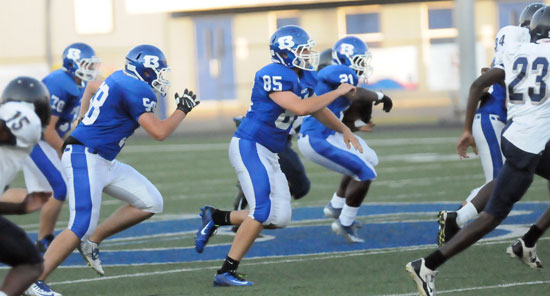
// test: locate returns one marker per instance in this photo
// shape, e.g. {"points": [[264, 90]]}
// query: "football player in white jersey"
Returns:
{"points": [[524, 66], [24, 110], [523, 248], [483, 131]]}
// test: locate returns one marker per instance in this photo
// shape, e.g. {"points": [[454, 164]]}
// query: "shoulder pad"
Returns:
{"points": [[511, 34]]}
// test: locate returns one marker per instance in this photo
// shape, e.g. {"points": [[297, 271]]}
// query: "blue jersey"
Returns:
{"points": [[330, 78], [65, 97], [266, 122], [495, 102], [113, 114]]}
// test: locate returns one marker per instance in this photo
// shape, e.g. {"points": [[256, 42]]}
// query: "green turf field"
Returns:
{"points": [[416, 165]]}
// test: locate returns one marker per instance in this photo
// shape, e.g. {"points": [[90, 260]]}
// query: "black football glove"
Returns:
{"points": [[187, 102], [388, 104]]}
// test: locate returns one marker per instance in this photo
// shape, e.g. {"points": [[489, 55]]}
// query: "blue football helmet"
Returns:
{"points": [[354, 53], [80, 61], [291, 46], [148, 63]]}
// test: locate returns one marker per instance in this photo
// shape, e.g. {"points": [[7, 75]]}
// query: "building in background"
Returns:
{"points": [[215, 46]]}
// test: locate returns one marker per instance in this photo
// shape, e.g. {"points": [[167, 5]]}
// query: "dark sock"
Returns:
{"points": [[49, 237], [221, 218], [532, 236], [434, 260], [228, 265]]}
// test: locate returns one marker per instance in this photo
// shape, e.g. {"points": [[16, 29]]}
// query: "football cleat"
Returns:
{"points": [[90, 252], [43, 244], [230, 278], [422, 276], [447, 227], [525, 254], [40, 288], [331, 212], [207, 228], [348, 232]]}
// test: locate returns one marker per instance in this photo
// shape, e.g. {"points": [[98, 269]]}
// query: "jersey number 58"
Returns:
{"points": [[95, 103]]}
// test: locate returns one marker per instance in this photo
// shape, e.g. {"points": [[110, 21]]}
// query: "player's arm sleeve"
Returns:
{"points": [[139, 102], [271, 80]]}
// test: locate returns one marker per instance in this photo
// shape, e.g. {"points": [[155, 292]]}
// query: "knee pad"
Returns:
{"points": [[150, 201], [60, 191], [278, 220], [261, 216], [80, 221], [373, 159], [278, 223], [157, 206]]}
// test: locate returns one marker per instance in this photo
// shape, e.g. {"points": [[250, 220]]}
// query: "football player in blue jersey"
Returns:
{"points": [[291, 165], [125, 101], [43, 170], [483, 133], [324, 146], [282, 91]]}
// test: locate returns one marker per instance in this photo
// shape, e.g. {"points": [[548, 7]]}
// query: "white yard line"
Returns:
{"points": [[223, 146], [507, 285], [301, 258]]}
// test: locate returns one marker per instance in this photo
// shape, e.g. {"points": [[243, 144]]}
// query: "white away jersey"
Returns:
{"points": [[526, 67], [25, 125]]}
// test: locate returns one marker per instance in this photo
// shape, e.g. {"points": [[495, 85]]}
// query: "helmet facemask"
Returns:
{"points": [[161, 84], [361, 64], [305, 58], [87, 69]]}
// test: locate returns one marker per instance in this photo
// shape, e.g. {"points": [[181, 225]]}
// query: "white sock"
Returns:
{"points": [[348, 215], [337, 202], [465, 214], [474, 193], [3, 294]]}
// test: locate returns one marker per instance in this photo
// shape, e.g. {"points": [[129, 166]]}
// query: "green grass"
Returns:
{"points": [[190, 179]]}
